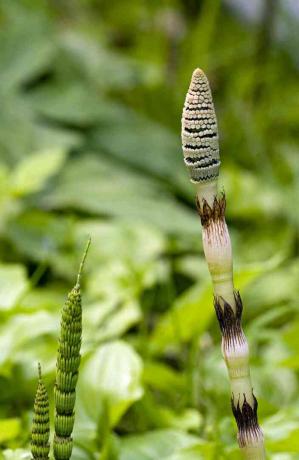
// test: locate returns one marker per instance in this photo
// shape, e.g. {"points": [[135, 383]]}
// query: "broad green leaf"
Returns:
{"points": [[107, 320], [31, 136], [162, 377], [15, 143], [32, 173], [22, 339], [112, 374], [148, 146], [74, 103], [247, 274], [192, 266], [13, 284], [23, 59], [275, 287], [155, 445], [46, 137], [282, 431], [247, 196], [44, 238], [133, 243], [265, 243], [100, 67], [190, 314], [49, 298], [106, 188], [187, 420], [120, 280]]}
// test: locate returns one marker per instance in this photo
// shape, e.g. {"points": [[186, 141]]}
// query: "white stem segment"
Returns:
{"points": [[217, 245], [207, 191], [218, 254], [228, 306]]}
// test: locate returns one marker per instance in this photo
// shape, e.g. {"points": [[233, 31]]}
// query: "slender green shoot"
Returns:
{"points": [[40, 431], [67, 368]]}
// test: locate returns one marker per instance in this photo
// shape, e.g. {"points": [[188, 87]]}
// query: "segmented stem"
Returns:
{"points": [[67, 367], [40, 431], [201, 153]]}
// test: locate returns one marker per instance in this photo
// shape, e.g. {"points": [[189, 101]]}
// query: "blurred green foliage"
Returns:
{"points": [[91, 97]]}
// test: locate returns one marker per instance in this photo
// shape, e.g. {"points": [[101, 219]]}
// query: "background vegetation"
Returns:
{"points": [[91, 98]]}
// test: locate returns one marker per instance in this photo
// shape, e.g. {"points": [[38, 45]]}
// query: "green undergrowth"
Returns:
{"points": [[91, 97]]}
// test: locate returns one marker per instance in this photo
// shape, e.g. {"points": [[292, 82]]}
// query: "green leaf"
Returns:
{"points": [[22, 59], [44, 237], [111, 374], [32, 173], [74, 103], [15, 143], [188, 420], [22, 339], [162, 377], [13, 284], [275, 287], [99, 66], [107, 319], [190, 314], [282, 431], [134, 243], [30, 136], [109, 188], [250, 197], [145, 145], [156, 445]]}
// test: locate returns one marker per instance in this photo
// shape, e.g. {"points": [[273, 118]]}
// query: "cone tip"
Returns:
{"points": [[198, 73], [39, 371]]}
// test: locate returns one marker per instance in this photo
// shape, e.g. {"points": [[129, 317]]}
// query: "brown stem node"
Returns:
{"points": [[249, 430], [214, 213], [230, 320]]}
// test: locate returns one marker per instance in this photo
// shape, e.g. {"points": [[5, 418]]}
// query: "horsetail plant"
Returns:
{"points": [[67, 367], [40, 446], [201, 156]]}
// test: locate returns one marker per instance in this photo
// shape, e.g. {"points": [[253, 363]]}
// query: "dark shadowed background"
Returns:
{"points": [[91, 94]]}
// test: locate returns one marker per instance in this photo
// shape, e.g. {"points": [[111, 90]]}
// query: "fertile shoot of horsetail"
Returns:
{"points": [[201, 156], [67, 367], [40, 432]]}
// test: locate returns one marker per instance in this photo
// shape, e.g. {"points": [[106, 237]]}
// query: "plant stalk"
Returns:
{"points": [[67, 369], [40, 431], [201, 156]]}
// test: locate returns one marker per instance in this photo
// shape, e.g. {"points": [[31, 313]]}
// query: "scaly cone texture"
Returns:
{"points": [[40, 432], [67, 366], [199, 131], [200, 147]]}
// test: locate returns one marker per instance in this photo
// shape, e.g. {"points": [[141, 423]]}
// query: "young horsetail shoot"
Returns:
{"points": [[201, 155]]}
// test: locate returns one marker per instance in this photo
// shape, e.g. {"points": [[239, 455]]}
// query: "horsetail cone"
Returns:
{"points": [[67, 367], [40, 432], [200, 132], [201, 155]]}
